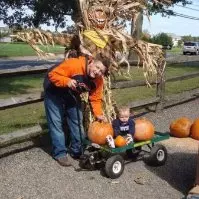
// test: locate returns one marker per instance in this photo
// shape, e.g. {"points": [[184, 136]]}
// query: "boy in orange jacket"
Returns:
{"points": [[61, 86]]}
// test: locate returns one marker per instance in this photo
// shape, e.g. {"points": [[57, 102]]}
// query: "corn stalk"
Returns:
{"points": [[116, 13]]}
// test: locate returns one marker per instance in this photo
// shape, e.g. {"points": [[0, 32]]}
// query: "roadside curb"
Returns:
{"points": [[20, 136]]}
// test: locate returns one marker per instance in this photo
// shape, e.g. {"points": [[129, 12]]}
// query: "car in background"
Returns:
{"points": [[191, 47]]}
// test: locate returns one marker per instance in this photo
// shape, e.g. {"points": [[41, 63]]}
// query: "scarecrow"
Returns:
{"points": [[101, 29]]}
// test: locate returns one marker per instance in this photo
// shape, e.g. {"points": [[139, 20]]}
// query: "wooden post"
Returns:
{"points": [[160, 86]]}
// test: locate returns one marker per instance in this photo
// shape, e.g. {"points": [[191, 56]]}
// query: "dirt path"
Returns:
{"points": [[33, 174]]}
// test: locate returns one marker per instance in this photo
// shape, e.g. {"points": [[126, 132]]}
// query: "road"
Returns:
{"points": [[27, 62], [33, 61]]}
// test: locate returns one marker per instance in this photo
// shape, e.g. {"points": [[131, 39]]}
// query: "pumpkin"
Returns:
{"points": [[180, 127], [194, 132], [144, 129], [98, 131], [120, 141]]}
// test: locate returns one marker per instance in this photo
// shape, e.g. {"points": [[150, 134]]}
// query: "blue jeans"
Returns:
{"points": [[57, 109]]}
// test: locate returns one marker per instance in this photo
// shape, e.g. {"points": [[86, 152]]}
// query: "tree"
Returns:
{"points": [[162, 39], [180, 42], [44, 11], [40, 12], [189, 38], [159, 8], [146, 36]]}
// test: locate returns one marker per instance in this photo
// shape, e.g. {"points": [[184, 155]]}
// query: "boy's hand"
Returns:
{"points": [[101, 118], [72, 84]]}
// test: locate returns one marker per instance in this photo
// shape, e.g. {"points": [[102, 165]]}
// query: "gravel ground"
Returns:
{"points": [[33, 174]]}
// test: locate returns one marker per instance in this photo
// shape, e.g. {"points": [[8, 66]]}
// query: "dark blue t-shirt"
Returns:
{"points": [[121, 128]]}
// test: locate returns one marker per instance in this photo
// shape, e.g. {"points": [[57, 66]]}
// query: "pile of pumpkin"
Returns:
{"points": [[97, 132], [184, 127]]}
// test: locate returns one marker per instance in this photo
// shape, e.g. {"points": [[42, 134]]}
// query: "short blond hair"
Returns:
{"points": [[123, 109]]}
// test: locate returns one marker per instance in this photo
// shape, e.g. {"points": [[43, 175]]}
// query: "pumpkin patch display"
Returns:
{"points": [[98, 131], [194, 132], [144, 129], [181, 127], [120, 141]]}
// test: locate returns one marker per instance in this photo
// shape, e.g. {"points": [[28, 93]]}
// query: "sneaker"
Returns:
{"points": [[63, 161]]}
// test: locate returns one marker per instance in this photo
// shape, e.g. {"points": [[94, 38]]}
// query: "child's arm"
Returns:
{"points": [[116, 127]]}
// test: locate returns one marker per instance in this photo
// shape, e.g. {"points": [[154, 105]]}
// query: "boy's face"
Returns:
{"points": [[124, 116], [96, 69]]}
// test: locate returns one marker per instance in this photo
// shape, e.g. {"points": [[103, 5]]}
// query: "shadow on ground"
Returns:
{"points": [[179, 171]]}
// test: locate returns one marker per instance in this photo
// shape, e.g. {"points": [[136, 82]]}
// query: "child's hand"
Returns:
{"points": [[129, 139]]}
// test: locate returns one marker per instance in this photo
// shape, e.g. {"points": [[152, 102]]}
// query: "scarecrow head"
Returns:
{"points": [[97, 15]]}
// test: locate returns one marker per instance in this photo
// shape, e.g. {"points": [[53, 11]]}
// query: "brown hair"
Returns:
{"points": [[105, 61]]}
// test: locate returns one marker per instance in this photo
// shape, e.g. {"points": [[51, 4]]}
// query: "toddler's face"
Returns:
{"points": [[124, 116]]}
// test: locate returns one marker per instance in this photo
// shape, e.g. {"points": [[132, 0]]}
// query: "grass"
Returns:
{"points": [[15, 86], [124, 96], [175, 50], [23, 49], [29, 115], [21, 117]]}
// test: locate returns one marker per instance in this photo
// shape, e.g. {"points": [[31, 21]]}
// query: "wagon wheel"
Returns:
{"points": [[157, 156], [114, 166]]}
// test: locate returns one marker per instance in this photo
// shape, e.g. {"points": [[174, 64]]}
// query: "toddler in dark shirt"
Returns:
{"points": [[124, 125]]}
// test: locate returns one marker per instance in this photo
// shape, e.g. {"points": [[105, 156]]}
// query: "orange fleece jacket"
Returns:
{"points": [[62, 74]]}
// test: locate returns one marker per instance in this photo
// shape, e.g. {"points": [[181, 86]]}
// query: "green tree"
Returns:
{"points": [[187, 38], [44, 11], [162, 39], [180, 42], [41, 12], [159, 8], [146, 36]]}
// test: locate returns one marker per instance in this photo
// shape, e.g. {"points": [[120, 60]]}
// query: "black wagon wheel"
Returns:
{"points": [[157, 156], [114, 166]]}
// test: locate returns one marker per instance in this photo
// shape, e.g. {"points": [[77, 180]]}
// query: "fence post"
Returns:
{"points": [[160, 85]]}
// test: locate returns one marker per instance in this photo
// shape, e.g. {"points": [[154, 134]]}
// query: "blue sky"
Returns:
{"points": [[177, 25]]}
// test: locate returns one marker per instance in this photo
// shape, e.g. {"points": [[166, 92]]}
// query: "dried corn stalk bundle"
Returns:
{"points": [[37, 38], [102, 30], [101, 25], [108, 100]]}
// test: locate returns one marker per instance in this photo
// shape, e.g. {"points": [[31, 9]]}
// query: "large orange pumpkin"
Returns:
{"points": [[194, 133], [144, 129], [180, 127], [98, 131], [120, 141]]}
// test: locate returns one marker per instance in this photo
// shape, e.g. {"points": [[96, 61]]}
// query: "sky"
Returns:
{"points": [[173, 24]]}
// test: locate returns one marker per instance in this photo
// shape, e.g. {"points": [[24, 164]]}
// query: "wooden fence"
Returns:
{"points": [[160, 101]]}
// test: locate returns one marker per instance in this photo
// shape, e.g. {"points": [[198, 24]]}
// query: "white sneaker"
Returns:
{"points": [[110, 141]]}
